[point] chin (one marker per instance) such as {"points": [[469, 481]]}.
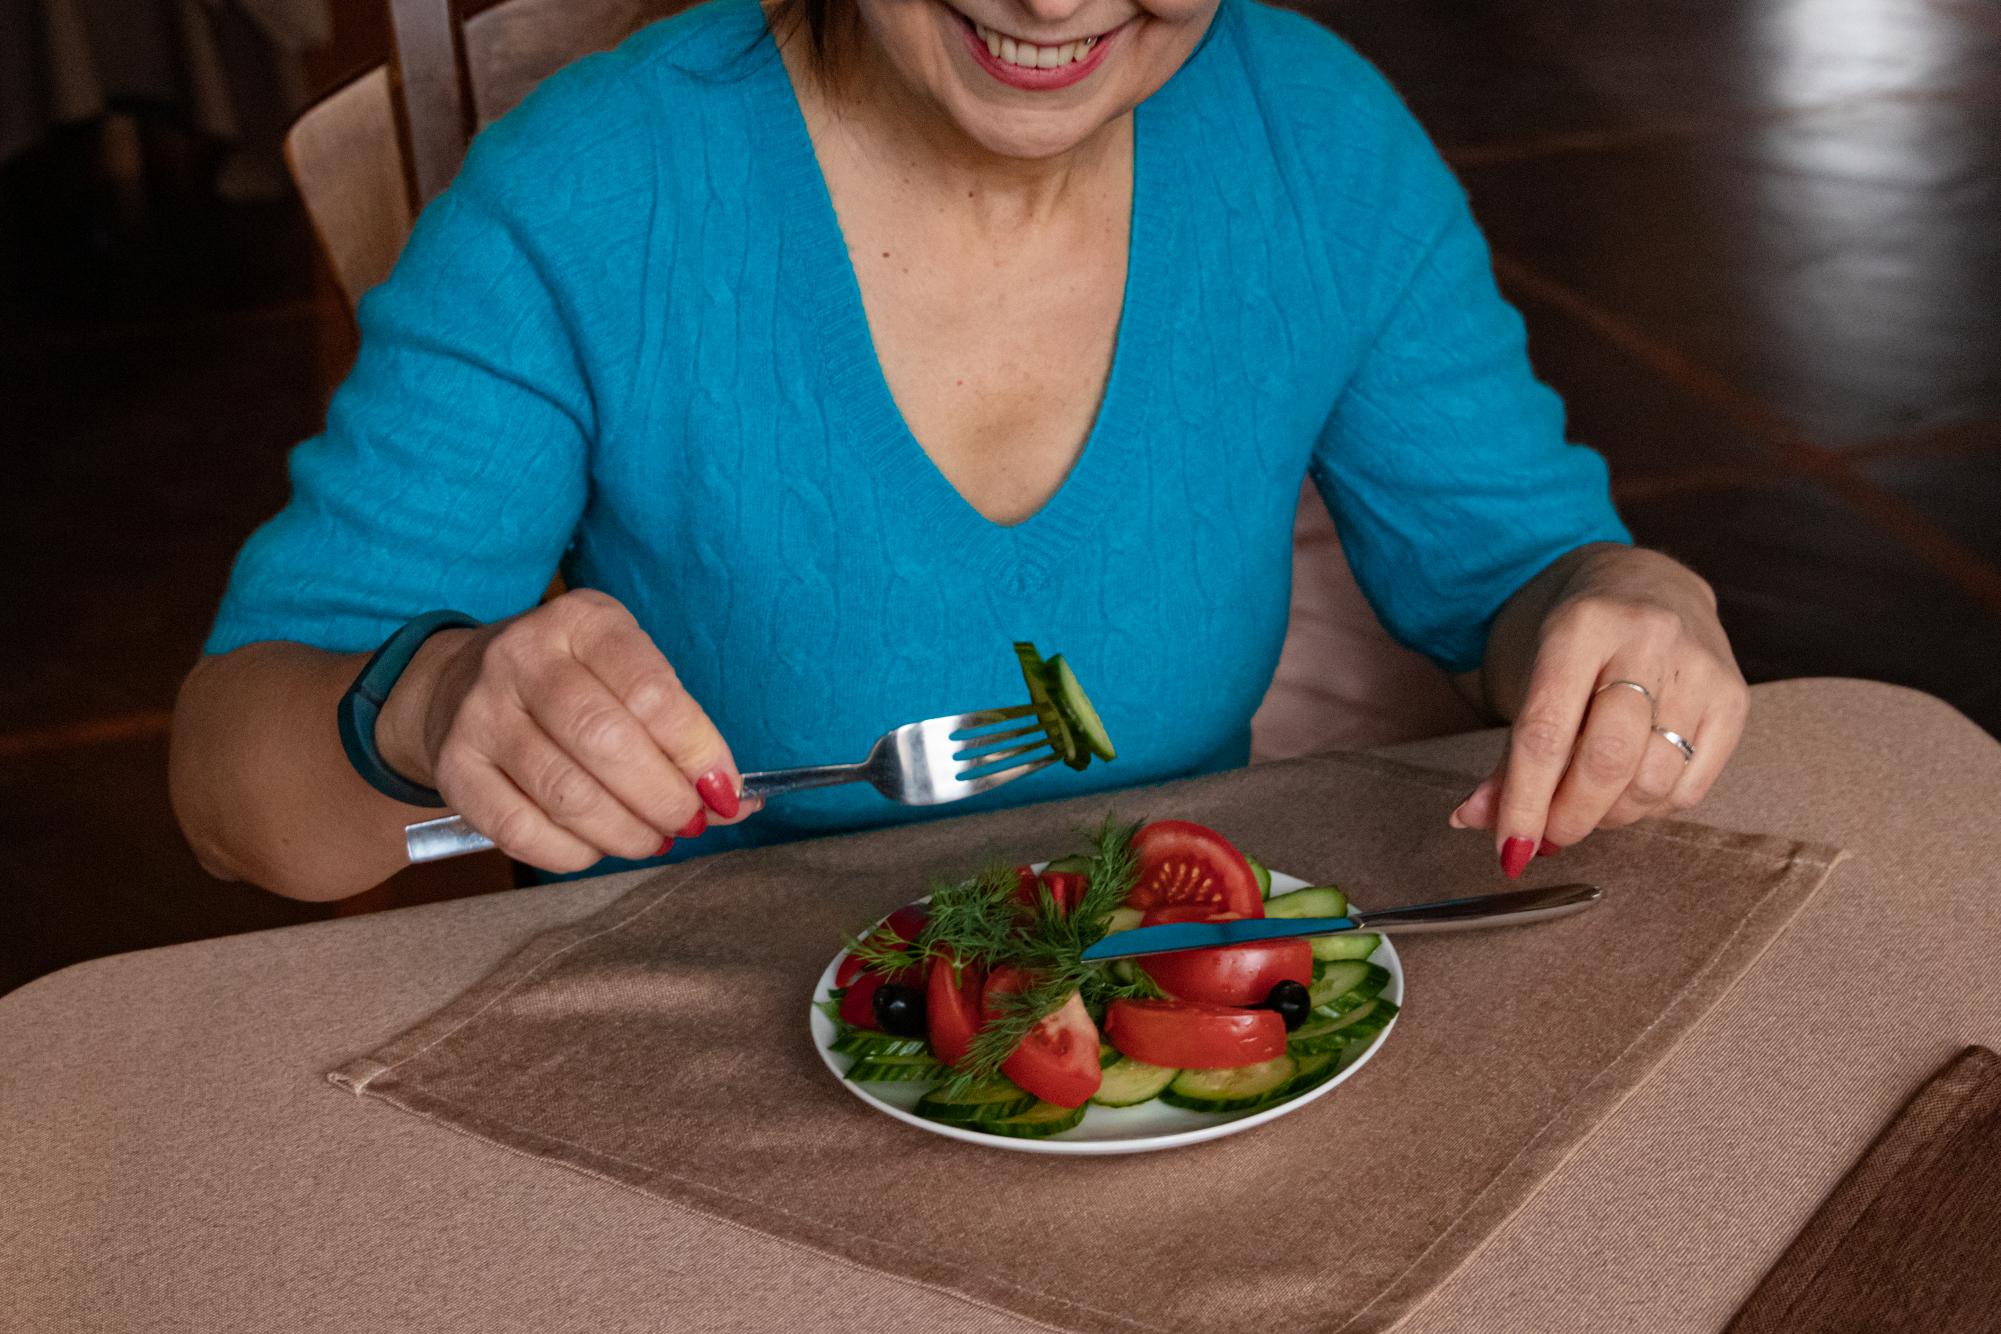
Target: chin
{"points": [[1029, 136]]}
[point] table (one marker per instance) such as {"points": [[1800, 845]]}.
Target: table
{"points": [[171, 1156]]}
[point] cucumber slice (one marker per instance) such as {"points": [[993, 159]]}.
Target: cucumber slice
{"points": [[993, 1100], [1108, 1056], [1322, 1037], [1347, 945], [1238, 1090], [1263, 873], [1076, 708], [1363, 1023], [861, 1042], [1060, 736], [1335, 1033], [1124, 919], [1038, 1122], [1127, 1083], [1324, 901], [1342, 986], [1321, 901], [889, 1070], [1315, 1069], [1068, 866]]}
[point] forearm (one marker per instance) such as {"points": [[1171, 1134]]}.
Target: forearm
{"points": [[260, 783]]}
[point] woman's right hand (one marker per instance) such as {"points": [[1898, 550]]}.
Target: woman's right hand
{"points": [[563, 735]]}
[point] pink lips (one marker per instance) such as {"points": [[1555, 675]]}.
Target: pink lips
{"points": [[1038, 80]]}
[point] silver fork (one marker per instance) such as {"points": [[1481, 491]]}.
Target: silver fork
{"points": [[919, 764]]}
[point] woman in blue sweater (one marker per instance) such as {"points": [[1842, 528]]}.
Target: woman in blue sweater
{"points": [[825, 352]]}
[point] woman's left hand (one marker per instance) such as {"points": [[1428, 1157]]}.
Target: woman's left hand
{"points": [[1626, 650]]}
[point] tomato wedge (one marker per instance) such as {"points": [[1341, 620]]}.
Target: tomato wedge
{"points": [[1058, 1060], [1066, 888], [1187, 912], [858, 1001], [1194, 1035], [1185, 864], [1231, 974], [952, 1008], [905, 924]]}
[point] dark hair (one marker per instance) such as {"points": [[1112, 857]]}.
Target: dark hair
{"points": [[784, 17]]}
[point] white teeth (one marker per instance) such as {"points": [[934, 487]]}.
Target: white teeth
{"points": [[1029, 56]]}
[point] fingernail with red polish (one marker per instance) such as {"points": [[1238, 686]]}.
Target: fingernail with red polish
{"points": [[666, 846], [1515, 854], [1548, 849], [720, 792], [694, 827]]}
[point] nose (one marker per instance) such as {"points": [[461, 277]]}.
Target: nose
{"points": [[1051, 13]]}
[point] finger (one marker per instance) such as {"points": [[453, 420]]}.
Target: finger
{"points": [[572, 796], [633, 669], [492, 803], [611, 743], [1609, 751], [1540, 745], [1661, 769], [1714, 741], [1477, 811]]}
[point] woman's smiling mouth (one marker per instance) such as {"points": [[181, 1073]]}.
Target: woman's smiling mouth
{"points": [[1031, 66]]}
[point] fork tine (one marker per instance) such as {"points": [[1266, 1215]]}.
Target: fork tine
{"points": [[991, 781], [984, 717], [995, 738], [996, 756]]}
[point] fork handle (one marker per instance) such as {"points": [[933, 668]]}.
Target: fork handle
{"points": [[451, 836], [778, 782]]}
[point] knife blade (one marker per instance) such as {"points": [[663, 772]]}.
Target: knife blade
{"points": [[1514, 908]]}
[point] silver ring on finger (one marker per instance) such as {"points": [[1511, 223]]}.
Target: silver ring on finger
{"points": [[1678, 741], [1653, 705]]}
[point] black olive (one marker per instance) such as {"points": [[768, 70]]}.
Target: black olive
{"points": [[900, 1010], [1288, 998]]}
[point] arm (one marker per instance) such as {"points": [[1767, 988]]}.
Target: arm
{"points": [[1488, 543], [452, 473], [562, 734], [260, 784]]}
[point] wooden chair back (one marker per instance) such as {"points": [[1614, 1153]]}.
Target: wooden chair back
{"points": [[367, 158]]}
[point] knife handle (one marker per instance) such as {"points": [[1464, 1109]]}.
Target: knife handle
{"points": [[1484, 910]]}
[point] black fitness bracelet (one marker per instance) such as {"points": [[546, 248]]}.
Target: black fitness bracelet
{"points": [[362, 705]]}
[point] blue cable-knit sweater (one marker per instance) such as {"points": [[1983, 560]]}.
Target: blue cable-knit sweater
{"points": [[628, 343]]}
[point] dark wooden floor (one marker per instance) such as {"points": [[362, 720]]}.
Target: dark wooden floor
{"points": [[1758, 243]]}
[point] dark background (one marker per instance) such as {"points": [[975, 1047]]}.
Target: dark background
{"points": [[1758, 244]]}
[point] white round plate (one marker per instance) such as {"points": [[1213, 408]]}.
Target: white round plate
{"points": [[1142, 1129]]}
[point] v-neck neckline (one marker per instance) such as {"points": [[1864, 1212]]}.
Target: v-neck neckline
{"points": [[861, 407]]}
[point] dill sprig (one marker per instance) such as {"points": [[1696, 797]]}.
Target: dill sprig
{"points": [[883, 953], [980, 920]]}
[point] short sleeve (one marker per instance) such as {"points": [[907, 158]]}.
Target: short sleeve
{"points": [[1444, 462], [453, 468]]}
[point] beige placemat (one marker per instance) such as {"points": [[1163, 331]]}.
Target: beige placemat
{"points": [[662, 1044], [1910, 1241]]}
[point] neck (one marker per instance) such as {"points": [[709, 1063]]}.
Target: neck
{"points": [[868, 111]]}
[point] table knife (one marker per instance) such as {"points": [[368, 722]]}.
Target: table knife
{"points": [[1485, 910]]}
